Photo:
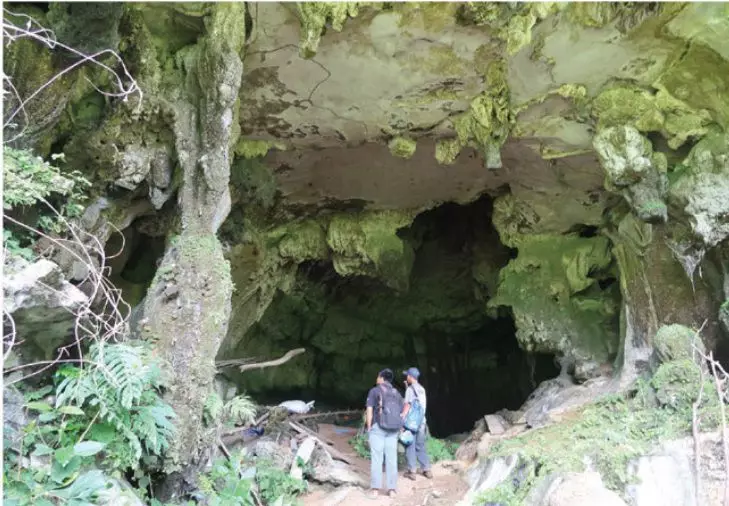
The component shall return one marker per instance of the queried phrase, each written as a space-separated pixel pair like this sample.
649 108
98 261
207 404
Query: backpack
391 404
414 418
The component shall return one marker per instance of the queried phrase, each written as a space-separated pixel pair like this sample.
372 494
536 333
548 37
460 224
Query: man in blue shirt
416 452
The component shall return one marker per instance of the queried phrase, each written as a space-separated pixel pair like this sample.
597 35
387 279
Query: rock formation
483 189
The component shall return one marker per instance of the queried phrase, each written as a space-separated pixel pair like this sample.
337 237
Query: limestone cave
527 201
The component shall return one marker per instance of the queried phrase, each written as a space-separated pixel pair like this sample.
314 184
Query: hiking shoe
428 475
410 475
391 493
373 493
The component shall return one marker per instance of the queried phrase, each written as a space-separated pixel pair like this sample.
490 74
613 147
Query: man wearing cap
416 452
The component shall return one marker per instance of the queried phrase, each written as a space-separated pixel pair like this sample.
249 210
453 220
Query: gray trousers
383 447
416 452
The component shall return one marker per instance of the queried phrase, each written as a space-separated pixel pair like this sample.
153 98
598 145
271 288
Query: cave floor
446 487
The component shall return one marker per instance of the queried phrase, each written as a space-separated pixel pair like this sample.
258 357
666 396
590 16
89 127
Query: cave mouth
354 326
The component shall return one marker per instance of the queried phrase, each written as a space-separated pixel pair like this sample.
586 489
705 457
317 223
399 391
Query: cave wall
598 128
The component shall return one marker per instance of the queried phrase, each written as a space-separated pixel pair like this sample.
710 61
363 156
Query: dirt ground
446 487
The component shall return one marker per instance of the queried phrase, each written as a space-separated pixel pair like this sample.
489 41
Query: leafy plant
30 181
122 387
360 445
440 449
274 483
241 410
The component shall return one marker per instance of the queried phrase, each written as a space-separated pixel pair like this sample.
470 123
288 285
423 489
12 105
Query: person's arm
406 404
368 418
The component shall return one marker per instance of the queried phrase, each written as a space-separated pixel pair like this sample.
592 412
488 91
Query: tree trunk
188 304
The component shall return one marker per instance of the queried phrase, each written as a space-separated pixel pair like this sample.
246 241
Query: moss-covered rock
633 169
486 124
701 188
552 288
676 342
314 17
648 112
368 244
402 147
677 384
86 26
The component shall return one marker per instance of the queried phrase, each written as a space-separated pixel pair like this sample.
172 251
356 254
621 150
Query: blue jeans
383 446
417 451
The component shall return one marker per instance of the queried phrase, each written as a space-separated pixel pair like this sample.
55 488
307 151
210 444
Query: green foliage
440 449
29 181
231 481
360 445
223 486
240 410
122 387
213 409
110 407
274 483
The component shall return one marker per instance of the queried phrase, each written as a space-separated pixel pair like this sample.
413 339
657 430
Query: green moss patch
558 306
314 16
649 112
487 123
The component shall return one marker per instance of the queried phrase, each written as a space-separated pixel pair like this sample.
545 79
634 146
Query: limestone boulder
43 306
581 488
702 189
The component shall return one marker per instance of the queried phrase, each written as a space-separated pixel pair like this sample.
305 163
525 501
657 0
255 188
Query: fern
241 410
122 385
212 409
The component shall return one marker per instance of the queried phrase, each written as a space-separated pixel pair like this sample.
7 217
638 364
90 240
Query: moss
432 17
487 123
368 244
402 147
700 79
627 15
314 16
248 148
605 436
649 112
86 26
674 342
552 288
447 150
303 241
634 170
512 22
677 384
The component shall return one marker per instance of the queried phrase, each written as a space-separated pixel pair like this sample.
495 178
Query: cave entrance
354 326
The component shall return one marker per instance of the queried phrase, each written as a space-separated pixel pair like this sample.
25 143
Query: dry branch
273 363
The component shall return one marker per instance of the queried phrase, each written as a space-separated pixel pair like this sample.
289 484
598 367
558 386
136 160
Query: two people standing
386 411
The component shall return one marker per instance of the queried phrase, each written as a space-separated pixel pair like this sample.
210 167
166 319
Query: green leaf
43 407
84 487
61 473
64 455
88 448
38 394
47 417
71 410
42 449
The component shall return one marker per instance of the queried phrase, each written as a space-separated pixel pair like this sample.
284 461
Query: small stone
496 424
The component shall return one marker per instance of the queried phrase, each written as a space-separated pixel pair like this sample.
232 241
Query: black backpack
391 405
